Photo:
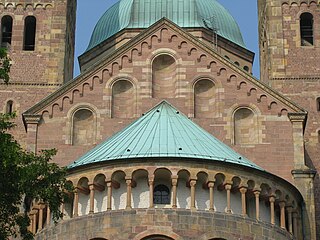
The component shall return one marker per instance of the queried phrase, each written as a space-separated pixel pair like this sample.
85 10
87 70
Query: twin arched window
306 29
161 194
29 34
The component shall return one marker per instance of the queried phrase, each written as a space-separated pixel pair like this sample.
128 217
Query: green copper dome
163 132
185 13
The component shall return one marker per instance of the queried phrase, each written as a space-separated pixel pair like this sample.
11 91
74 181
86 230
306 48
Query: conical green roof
163 132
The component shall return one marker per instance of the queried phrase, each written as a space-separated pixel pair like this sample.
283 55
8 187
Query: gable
133 61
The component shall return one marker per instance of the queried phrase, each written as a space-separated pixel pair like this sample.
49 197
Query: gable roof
142 36
163 132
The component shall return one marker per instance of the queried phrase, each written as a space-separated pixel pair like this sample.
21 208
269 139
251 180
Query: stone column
76 203
243 191
295 224
282 214
174 182
257 197
109 200
151 186
272 199
41 207
62 210
304 181
228 189
91 188
211 188
128 181
193 194
302 175
34 221
289 211
48 215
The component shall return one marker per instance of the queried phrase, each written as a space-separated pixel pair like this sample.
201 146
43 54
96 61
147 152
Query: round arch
157 237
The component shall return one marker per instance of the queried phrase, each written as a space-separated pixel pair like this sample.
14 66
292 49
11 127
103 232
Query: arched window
237 63
9 107
123 100
245 127
318 104
246 68
161 194
306 29
164 77
29 33
227 57
6 30
83 132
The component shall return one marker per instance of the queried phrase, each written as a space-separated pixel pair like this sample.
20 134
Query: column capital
109 183
91 186
289 209
297 117
243 189
31 118
128 182
151 178
211 184
193 182
228 186
257 193
272 198
174 181
282 204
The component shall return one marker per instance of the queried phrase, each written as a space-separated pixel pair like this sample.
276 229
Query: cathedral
166 133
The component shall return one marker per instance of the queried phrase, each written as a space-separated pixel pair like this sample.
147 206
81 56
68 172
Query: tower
39 37
289 57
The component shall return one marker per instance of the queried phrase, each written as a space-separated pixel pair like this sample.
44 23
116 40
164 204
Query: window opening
237 63
246 68
29 33
161 195
318 104
9 107
306 29
6 30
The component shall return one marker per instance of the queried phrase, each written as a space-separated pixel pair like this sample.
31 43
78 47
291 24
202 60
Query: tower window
237 63
306 29
9 107
6 30
318 104
29 33
246 68
161 195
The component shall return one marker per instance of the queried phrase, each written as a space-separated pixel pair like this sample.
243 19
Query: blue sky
245 13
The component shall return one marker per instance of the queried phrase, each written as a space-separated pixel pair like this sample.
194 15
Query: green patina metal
163 132
185 13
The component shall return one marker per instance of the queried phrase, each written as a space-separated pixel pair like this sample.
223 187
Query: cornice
31 84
